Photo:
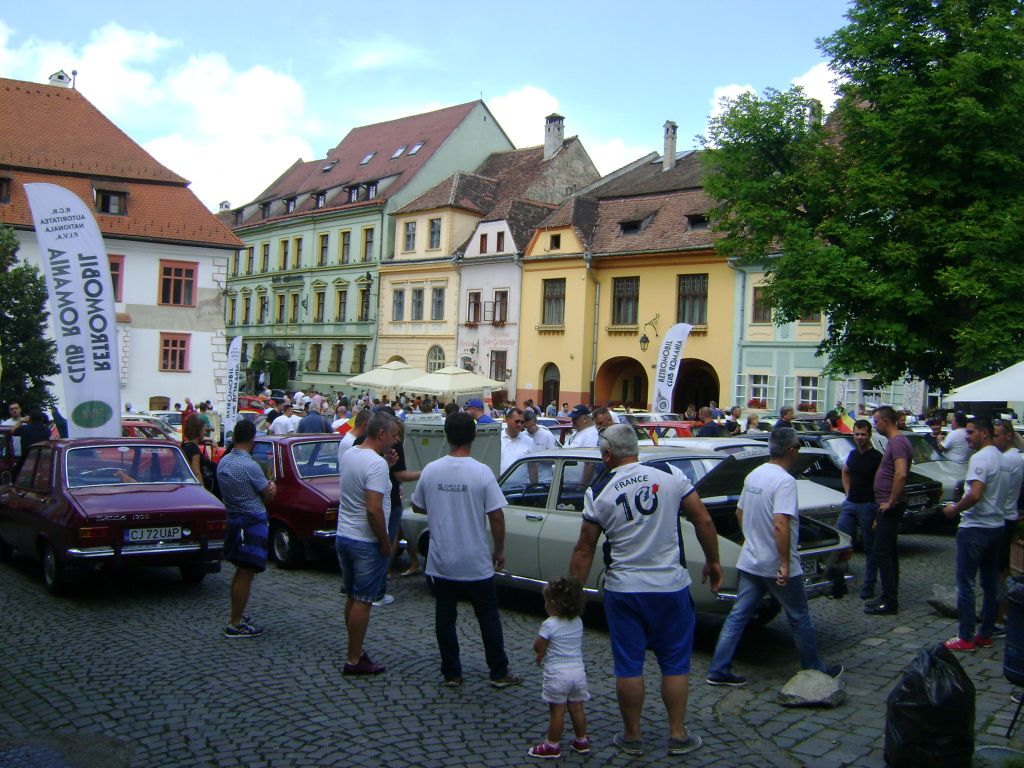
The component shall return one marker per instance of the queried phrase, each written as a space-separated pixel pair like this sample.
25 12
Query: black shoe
881 609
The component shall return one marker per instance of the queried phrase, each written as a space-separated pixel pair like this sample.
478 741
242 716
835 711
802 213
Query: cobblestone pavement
134 672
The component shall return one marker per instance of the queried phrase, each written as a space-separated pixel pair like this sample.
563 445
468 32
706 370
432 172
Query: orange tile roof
53 134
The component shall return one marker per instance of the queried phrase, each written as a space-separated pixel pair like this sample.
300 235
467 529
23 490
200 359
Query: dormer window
329 166
697 221
415 148
289 205
5 191
371 190
320 199
353 194
635 226
239 216
398 152
114 203
265 210
368 158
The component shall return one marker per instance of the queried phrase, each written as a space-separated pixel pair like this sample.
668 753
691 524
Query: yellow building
609 272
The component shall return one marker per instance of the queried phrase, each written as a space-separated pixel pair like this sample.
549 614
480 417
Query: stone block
811 688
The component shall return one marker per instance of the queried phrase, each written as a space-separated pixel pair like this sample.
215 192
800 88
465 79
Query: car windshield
316 459
694 468
126 465
923 450
840 448
174 419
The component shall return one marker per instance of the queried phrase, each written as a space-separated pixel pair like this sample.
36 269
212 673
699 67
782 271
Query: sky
230 95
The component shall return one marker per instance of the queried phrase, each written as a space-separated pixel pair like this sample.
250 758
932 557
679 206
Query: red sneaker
545 750
959 644
982 642
580 746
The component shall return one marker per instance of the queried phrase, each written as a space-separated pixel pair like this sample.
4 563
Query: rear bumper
191 550
818 585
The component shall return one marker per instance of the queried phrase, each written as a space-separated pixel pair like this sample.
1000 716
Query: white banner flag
234 365
82 308
668 366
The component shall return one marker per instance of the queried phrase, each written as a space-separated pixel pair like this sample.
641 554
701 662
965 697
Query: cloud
611 155
381 52
727 92
817 83
521 113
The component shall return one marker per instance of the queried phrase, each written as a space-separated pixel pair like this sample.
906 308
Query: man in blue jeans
978 538
769 562
859 507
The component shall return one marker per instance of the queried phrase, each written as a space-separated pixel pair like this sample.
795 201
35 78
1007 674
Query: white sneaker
386 600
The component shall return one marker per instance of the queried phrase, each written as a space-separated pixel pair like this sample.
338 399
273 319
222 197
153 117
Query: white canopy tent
387 377
452 381
1006 385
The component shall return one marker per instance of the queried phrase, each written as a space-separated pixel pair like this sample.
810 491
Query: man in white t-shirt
515 443
584 433
769 562
460 495
286 423
362 541
542 438
358 430
956 447
979 538
647 587
1003 437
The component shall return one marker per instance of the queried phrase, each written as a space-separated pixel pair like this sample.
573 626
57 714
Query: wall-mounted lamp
473 350
645 342
508 374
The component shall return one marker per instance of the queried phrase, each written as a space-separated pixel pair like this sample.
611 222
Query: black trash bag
929 719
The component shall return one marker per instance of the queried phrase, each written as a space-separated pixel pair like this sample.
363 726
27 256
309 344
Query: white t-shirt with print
985 466
955 447
584 438
768 491
361 470
638 509
565 642
1013 475
514 448
458 492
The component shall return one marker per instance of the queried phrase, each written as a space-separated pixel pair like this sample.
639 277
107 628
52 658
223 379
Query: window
371 190
263 305
236 259
341 305
117 275
500 307
5 191
325 244
760 390
554 242
554 302
415 148
762 309
177 283
264 210
345 249
811 317
265 258
473 307
289 205
279 315
319 302
246 304
282 256
625 300
293 311
435 233
807 393
398 305
435 359
249 256
353 194
364 305
398 152
437 304
174 351
231 310
483 243
239 217
313 363
410 236
337 350
635 226
417 304
499 244
499 361
359 358
367 158
321 199
298 252
692 299
114 203
368 244
528 483
697 221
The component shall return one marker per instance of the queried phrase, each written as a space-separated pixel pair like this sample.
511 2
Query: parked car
544 495
304 513
81 504
929 462
171 418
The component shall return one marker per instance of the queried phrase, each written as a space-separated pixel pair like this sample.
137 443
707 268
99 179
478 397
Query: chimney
668 160
61 79
554 132
225 205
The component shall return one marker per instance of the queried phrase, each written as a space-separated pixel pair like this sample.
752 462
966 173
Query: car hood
726 478
156 498
949 473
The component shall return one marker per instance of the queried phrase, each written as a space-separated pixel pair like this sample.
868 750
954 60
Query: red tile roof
667 228
53 134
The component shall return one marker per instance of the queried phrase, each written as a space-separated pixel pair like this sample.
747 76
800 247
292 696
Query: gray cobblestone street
134 672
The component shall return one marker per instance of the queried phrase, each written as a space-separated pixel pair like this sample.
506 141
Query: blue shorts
661 621
363 569
245 543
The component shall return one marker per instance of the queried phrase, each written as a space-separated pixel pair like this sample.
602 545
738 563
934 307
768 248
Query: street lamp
644 343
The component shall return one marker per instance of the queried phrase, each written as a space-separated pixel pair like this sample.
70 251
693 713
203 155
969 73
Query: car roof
305 437
100 442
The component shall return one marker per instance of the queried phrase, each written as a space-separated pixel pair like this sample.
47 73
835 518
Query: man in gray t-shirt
890 481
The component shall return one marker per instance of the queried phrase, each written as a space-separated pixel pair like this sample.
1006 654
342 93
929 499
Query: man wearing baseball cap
584 433
475 408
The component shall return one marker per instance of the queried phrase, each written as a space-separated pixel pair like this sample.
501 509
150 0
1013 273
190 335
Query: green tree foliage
28 356
902 215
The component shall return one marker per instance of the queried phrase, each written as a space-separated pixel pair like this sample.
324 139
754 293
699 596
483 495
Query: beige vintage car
544 494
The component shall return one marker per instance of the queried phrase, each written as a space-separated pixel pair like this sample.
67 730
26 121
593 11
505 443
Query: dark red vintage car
304 513
77 505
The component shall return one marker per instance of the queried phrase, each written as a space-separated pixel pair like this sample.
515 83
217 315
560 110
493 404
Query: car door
45 513
562 524
527 490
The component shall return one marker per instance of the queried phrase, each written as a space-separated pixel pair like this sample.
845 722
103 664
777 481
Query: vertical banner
82 308
668 366
234 366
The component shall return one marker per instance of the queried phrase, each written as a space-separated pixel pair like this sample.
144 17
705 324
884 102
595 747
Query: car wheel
6 552
53 571
765 612
287 551
192 573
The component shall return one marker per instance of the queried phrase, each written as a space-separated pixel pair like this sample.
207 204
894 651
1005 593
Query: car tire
193 573
765 612
54 578
6 552
287 551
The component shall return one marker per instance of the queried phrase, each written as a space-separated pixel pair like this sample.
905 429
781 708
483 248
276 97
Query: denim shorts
363 569
661 621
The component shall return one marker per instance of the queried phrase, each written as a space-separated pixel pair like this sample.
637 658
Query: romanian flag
344 428
846 424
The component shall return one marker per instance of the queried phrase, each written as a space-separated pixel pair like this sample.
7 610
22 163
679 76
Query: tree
902 215
28 356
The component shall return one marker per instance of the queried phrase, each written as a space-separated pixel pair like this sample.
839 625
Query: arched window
435 359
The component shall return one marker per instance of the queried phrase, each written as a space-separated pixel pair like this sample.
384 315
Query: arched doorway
395 359
696 383
621 381
552 383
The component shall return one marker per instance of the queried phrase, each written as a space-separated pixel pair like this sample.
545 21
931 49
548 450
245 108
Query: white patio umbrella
1007 384
452 381
387 377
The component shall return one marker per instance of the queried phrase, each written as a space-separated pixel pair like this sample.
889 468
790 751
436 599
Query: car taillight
331 515
93 533
216 525
845 554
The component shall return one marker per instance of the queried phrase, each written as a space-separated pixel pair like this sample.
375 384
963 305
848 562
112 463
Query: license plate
811 566
917 500
143 535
